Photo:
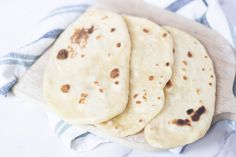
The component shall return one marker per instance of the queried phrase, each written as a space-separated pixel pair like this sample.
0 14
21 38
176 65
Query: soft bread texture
87 78
190 96
150 69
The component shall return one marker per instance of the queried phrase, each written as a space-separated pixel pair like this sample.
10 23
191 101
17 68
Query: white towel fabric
15 64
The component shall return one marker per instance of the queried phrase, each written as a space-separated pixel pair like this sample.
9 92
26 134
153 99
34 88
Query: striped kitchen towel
15 64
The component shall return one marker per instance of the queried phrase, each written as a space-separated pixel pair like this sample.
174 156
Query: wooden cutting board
29 87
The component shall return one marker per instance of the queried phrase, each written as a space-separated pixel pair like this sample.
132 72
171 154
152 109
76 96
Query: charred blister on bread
197 114
151 77
65 88
169 84
81 36
83 96
181 122
114 73
62 54
145 30
189 54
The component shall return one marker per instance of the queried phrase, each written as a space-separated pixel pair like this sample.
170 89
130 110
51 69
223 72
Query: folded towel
15 64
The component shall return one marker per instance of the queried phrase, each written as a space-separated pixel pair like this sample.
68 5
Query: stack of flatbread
129 77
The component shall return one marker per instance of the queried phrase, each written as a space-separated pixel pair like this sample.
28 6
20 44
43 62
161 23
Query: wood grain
29 88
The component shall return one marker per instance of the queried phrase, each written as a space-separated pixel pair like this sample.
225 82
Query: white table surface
24 130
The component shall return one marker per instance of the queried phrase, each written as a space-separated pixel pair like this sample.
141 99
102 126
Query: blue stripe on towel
58 125
205 2
5 89
66 7
80 136
17 62
232 32
17 55
52 34
183 149
204 21
176 5
63 129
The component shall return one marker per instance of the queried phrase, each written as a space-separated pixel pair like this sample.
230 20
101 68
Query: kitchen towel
15 64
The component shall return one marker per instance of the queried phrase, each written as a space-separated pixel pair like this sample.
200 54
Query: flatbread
150 69
87 78
190 96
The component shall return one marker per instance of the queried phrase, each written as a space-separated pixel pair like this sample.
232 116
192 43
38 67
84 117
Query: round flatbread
87 78
190 96
150 69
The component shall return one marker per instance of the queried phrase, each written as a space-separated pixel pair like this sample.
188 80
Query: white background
24 129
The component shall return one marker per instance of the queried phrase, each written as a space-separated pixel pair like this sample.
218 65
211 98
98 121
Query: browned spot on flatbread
151 77
135 96
91 29
198 91
140 120
145 30
158 98
190 54
189 111
205 57
145 96
185 77
210 83
81 36
84 95
82 101
167 64
71 52
197 114
65 88
184 62
100 90
169 84
112 29
117 82
164 35
69 48
173 50
82 98
62 54
203 69
212 76
138 102
114 73
181 122
98 37
118 44
82 56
